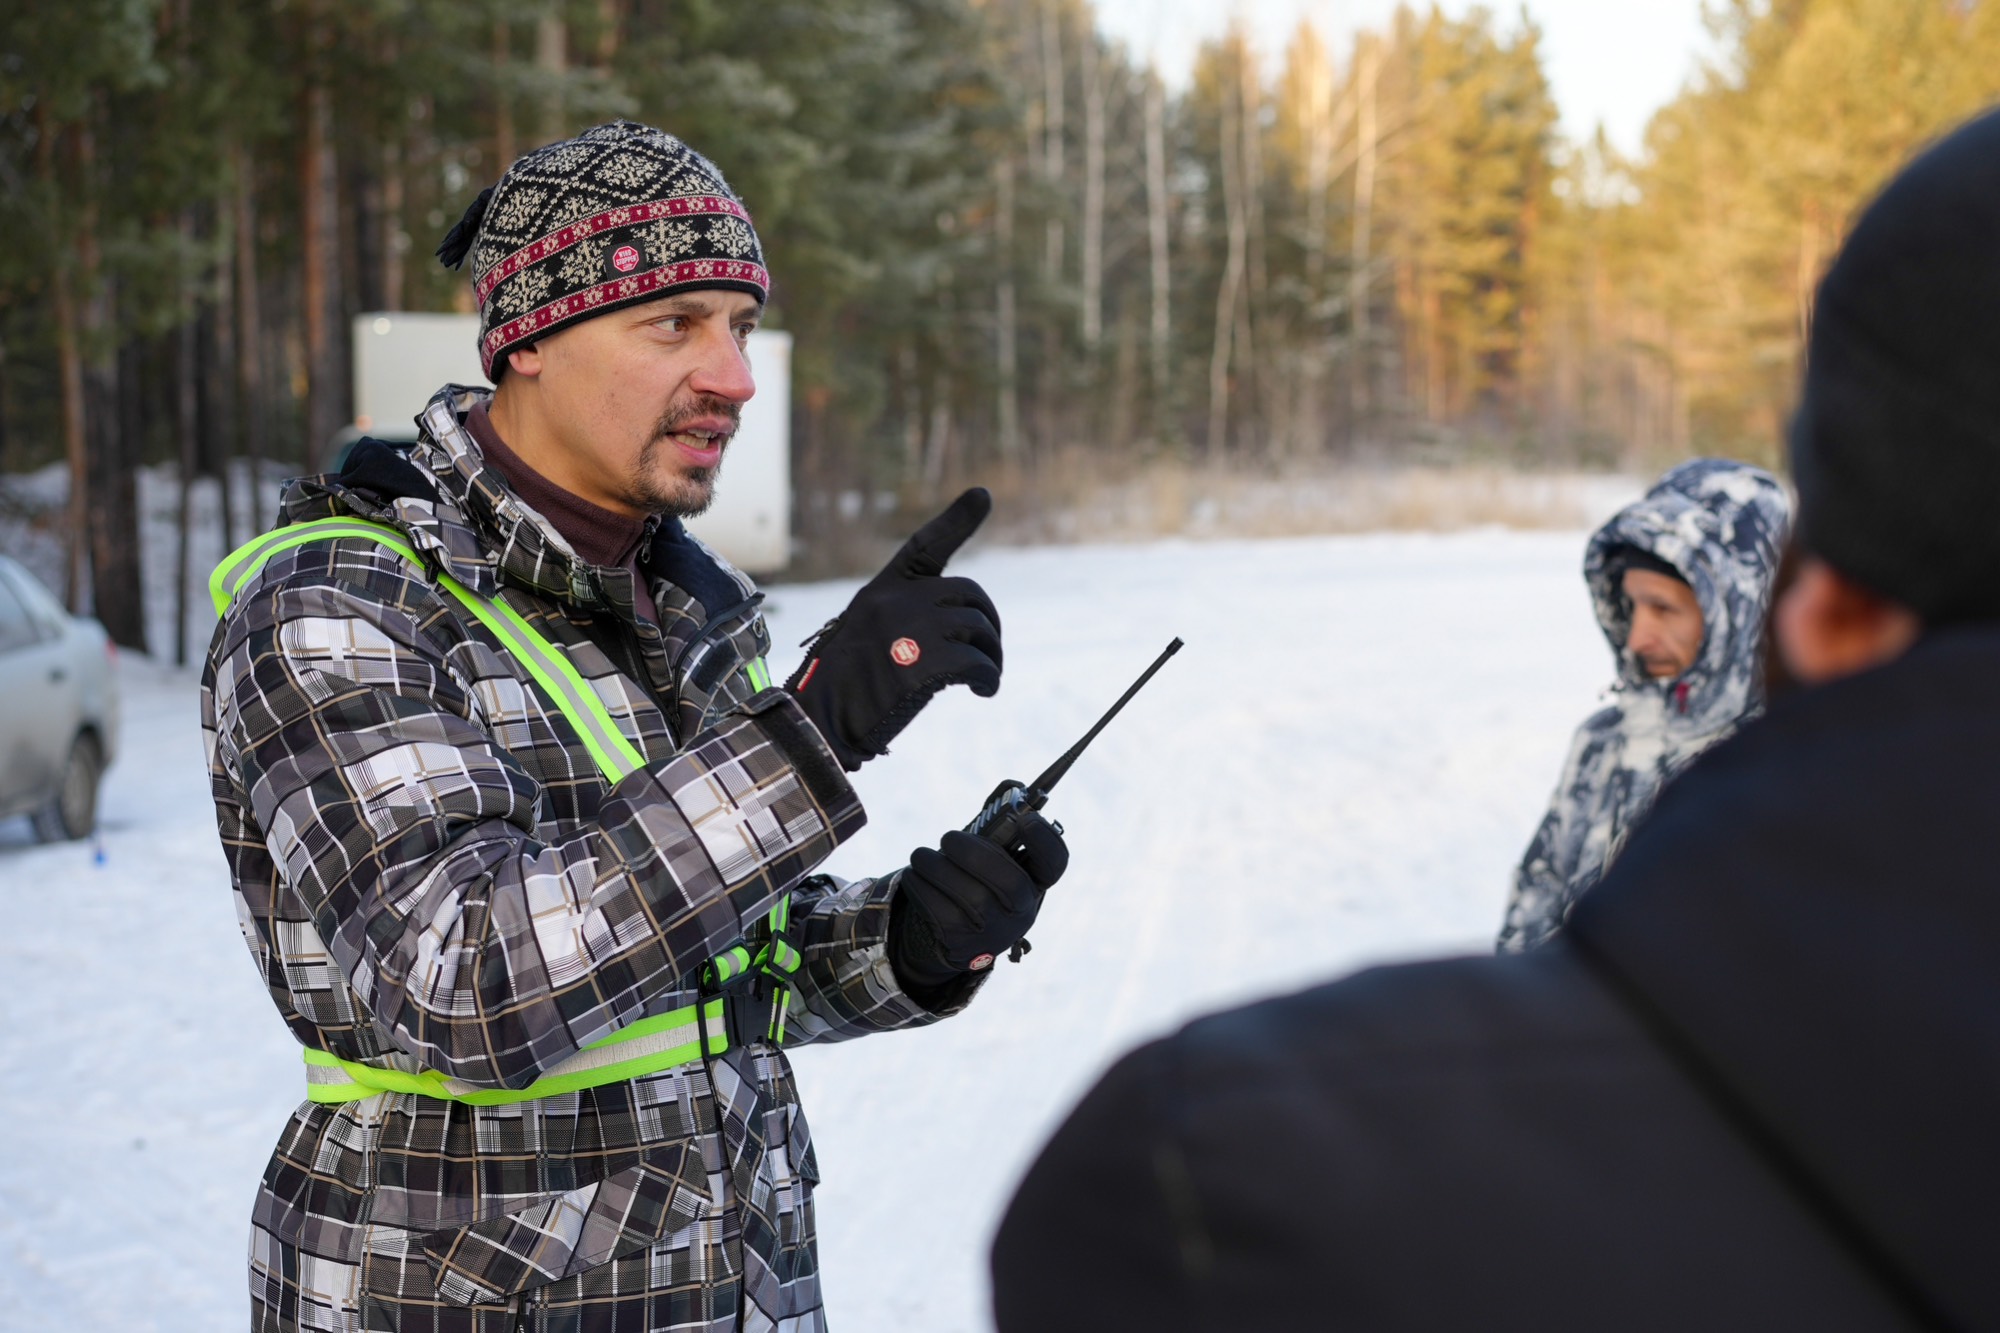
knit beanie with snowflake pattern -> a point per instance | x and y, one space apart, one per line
622 213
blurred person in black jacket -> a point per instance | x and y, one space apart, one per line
1755 1085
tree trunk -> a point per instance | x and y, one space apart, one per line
111 512
317 234
1005 334
552 61
117 566
1228 292
219 435
909 395
610 31
6 411
1156 231
221 460
1312 426
505 149
394 239
1052 132
1251 300
252 409
69 363
1093 195
937 439
75 447
1368 58
189 448
1807 280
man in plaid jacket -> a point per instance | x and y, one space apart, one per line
445 889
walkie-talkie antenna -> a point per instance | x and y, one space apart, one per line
1038 790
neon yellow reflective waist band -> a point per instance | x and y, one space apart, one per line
649 1046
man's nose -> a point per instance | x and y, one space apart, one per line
724 369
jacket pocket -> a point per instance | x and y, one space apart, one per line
566 1234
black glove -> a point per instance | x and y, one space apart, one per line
959 907
906 635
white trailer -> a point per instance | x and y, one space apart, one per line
401 358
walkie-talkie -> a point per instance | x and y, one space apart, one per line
1000 819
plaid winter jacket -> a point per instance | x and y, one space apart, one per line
432 874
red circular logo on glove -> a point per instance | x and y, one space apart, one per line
904 652
981 963
624 259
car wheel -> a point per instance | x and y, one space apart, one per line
72 811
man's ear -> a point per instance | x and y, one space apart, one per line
1828 626
525 360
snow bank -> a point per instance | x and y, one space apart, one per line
1339 770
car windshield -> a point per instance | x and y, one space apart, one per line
42 604
16 629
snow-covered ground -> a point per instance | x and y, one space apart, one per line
1339 769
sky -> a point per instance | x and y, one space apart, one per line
1615 61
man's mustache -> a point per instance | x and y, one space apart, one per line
701 405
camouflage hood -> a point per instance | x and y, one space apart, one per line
1721 524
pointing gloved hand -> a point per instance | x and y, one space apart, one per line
906 635
960 906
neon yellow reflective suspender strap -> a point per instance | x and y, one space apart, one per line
662 1042
241 565
614 756
609 750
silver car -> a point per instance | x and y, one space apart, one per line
58 708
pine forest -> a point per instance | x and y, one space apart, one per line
1006 248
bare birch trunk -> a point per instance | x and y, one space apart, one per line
1093 195
1156 228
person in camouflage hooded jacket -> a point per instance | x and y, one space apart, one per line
1719 526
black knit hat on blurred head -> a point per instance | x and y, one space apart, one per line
620 214
1896 445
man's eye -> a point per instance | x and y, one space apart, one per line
674 324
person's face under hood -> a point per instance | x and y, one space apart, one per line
1667 625
1711 527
